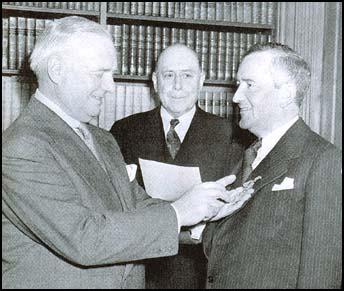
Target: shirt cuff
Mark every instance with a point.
(178, 220)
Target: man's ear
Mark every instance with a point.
(54, 69)
(287, 94)
(155, 82)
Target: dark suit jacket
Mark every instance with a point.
(288, 238)
(207, 145)
(66, 223)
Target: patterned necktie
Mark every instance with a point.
(172, 138)
(249, 157)
(87, 138)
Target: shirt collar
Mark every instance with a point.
(273, 137)
(186, 118)
(73, 123)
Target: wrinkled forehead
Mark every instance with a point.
(178, 59)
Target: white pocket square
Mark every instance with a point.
(287, 184)
(131, 169)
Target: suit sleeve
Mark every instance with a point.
(42, 200)
(322, 234)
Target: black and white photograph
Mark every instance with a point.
(172, 145)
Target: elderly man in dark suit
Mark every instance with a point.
(203, 140)
(71, 217)
(289, 234)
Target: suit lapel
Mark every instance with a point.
(75, 153)
(275, 164)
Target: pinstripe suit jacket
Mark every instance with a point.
(288, 238)
(67, 223)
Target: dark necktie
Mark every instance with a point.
(249, 157)
(172, 138)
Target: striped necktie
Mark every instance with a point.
(249, 157)
(86, 136)
(172, 139)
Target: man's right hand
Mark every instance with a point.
(202, 201)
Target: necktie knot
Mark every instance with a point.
(174, 123)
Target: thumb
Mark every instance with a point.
(226, 180)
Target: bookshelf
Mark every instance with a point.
(219, 32)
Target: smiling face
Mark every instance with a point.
(86, 75)
(178, 80)
(258, 97)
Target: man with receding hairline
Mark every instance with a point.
(72, 218)
(289, 234)
(205, 141)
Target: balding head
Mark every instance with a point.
(178, 52)
(178, 79)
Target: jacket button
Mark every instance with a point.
(210, 279)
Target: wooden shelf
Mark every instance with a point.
(125, 78)
(113, 18)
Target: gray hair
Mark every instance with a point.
(289, 61)
(57, 34)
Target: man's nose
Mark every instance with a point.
(238, 96)
(177, 83)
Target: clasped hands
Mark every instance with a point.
(211, 201)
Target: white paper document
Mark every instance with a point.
(166, 181)
(169, 182)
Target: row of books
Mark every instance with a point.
(219, 53)
(19, 35)
(126, 99)
(84, 6)
(246, 12)
(139, 46)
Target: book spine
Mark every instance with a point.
(141, 51)
(117, 33)
(119, 7)
(170, 9)
(182, 36)
(128, 101)
(30, 37)
(165, 37)
(256, 12)
(197, 10)
(126, 8)
(239, 11)
(155, 9)
(228, 56)
(125, 48)
(270, 15)
(149, 51)
(220, 62)
(147, 101)
(176, 12)
(203, 10)
(211, 13)
(227, 11)
(157, 43)
(148, 8)
(233, 17)
(111, 6)
(140, 8)
(204, 56)
(242, 45)
(12, 43)
(190, 38)
(133, 50)
(247, 17)
(174, 35)
(133, 8)
(264, 13)
(20, 42)
(188, 10)
(219, 11)
(182, 10)
(163, 9)
(212, 55)
(4, 43)
(198, 44)
(236, 54)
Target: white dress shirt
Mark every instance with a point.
(183, 125)
(269, 141)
